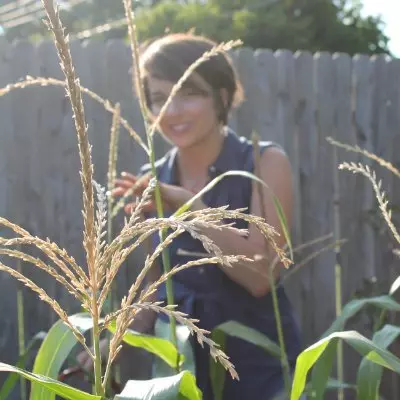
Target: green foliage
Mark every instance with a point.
(54, 351)
(370, 374)
(61, 389)
(162, 331)
(314, 25)
(361, 344)
(181, 386)
(12, 379)
(384, 302)
(162, 348)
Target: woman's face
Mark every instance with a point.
(190, 117)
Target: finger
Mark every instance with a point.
(129, 176)
(148, 206)
(126, 183)
(118, 192)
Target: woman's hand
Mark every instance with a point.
(172, 196)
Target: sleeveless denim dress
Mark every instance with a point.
(206, 293)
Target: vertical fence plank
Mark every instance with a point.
(299, 286)
(8, 285)
(99, 130)
(345, 202)
(119, 83)
(382, 145)
(288, 129)
(323, 274)
(267, 79)
(363, 91)
(390, 381)
(24, 203)
(48, 168)
(344, 182)
(286, 93)
(72, 205)
(286, 108)
(392, 126)
(130, 155)
(246, 113)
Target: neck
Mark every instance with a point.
(193, 162)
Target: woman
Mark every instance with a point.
(203, 147)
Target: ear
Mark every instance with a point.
(224, 97)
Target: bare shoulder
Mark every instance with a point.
(275, 162)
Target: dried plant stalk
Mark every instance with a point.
(50, 252)
(89, 239)
(46, 298)
(379, 193)
(356, 149)
(74, 93)
(128, 314)
(46, 268)
(113, 153)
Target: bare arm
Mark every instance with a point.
(275, 171)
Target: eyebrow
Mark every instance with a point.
(157, 93)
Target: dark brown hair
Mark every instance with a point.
(167, 58)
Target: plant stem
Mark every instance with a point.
(165, 255)
(281, 340)
(99, 391)
(338, 295)
(338, 268)
(21, 328)
(136, 78)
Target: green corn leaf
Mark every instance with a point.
(241, 331)
(395, 286)
(210, 185)
(332, 384)
(353, 307)
(322, 371)
(54, 351)
(364, 346)
(370, 374)
(162, 348)
(217, 371)
(12, 379)
(51, 385)
(181, 386)
(162, 330)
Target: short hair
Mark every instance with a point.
(168, 57)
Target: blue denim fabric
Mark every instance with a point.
(208, 294)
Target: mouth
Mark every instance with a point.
(179, 128)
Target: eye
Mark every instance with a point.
(158, 100)
(191, 92)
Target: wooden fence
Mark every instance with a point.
(297, 100)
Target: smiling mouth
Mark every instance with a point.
(179, 128)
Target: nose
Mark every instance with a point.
(174, 107)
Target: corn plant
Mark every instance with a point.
(375, 356)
